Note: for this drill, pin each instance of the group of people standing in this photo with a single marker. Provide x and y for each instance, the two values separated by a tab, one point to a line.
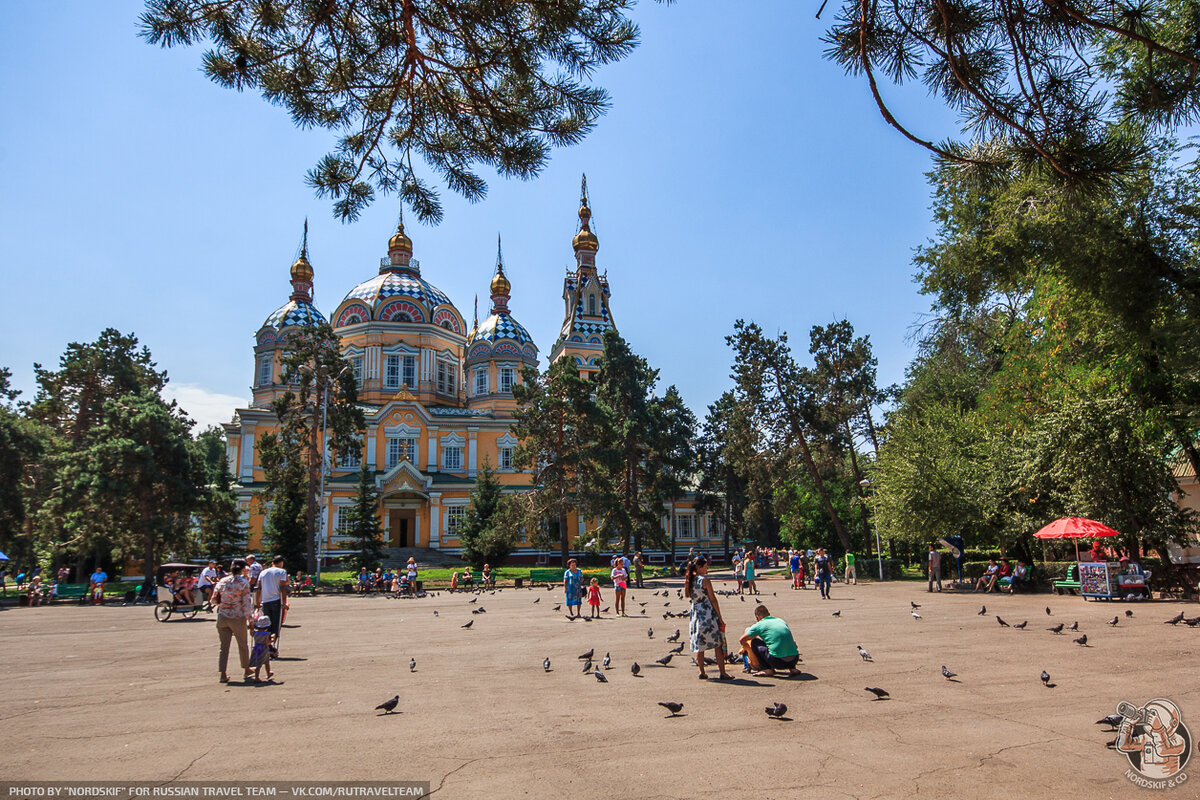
818	566
250	603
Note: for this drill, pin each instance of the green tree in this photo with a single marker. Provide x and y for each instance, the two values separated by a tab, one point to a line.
1057	89
459	84
364	522
320	413
71	404
670	460
487	535
283	500
22	448
784	398
218	514
556	423
138	476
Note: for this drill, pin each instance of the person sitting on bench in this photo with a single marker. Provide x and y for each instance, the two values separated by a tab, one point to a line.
1020	578
987	580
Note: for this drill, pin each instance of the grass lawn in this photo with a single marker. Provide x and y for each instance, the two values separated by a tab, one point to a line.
440	576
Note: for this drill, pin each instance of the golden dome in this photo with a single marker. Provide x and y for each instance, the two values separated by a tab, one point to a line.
500	284
302	270
585	239
400	240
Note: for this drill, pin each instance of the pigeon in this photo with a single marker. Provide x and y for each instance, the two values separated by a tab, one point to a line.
880	694
469	624
477	611
558	607
915	615
435	612
665	660
569	617
1057	628
587	666
1112	721
546	664
643	612
1047	611
650	632
677	649
535	602
776	710
865	655
914	605
1113	621
1003	624
666	604
674	637
389	706
600	676
588	655
635	668
605	609
1074	626
837	613
1111	745
947	674
1045	678
586	619
1175	620
474	599
674	708
743	599
1128	612
643	604
412	665
1193	622
607	660
1021	625
982	611
1081	641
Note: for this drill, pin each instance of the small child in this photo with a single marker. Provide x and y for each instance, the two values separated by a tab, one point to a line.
594	597
260	654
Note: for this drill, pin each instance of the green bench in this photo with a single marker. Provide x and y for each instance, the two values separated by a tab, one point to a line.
1071	585
71	591
554	575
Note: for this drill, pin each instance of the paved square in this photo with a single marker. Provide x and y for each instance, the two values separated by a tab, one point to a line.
108	693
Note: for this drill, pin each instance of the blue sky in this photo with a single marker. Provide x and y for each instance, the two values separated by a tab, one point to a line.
738	175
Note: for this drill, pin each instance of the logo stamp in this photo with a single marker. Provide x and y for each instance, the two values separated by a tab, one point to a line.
1156	742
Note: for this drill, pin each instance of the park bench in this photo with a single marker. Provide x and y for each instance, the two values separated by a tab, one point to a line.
545	575
1071	584
71	591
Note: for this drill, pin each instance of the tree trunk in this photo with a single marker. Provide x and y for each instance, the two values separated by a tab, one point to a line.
562	535
871	431
316	465
862	497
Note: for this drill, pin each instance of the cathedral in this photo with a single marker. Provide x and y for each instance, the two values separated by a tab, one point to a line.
437	397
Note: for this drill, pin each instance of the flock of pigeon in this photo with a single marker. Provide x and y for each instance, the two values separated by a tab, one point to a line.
776	710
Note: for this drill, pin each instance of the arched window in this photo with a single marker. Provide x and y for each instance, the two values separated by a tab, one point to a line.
592	304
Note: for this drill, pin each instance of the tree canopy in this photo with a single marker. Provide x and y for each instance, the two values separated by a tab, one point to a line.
458	84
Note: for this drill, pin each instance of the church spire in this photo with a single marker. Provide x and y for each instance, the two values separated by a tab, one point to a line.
302	271
400	249
585	242
500	284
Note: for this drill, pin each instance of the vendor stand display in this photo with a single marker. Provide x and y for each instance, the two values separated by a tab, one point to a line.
1097	579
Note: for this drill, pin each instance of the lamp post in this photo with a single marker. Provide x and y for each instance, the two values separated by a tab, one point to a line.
866	484
324	462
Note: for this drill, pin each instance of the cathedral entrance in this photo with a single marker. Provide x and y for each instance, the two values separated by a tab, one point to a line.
402	529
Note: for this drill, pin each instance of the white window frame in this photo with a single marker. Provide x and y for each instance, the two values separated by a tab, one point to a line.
504	459
506	375
392	378
456	515
447	377
341	521
455	463
265	370
480	381
686	531
406	447
356	366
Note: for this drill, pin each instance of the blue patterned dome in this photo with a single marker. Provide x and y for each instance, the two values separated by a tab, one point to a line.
501	326
390	284
294	312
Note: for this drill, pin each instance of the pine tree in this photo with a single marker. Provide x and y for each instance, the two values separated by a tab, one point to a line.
486	535
218	513
284	499
364	522
459	83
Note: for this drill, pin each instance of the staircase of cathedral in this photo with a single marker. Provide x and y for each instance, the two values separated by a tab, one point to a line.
427	558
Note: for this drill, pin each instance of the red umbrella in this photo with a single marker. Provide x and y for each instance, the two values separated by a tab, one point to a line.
1075	528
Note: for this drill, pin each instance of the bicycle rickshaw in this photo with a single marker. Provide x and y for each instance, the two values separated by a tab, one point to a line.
168	600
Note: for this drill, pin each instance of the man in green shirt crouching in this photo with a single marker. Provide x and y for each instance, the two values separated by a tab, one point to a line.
768	644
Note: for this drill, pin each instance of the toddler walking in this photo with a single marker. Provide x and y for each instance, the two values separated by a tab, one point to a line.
260	654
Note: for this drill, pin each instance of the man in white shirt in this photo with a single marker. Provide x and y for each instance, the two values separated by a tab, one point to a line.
271	595
208	579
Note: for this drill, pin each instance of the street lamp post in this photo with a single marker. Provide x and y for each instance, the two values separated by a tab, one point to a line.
324	528
866	484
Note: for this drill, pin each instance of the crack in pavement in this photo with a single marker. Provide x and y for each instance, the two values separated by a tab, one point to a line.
175	777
